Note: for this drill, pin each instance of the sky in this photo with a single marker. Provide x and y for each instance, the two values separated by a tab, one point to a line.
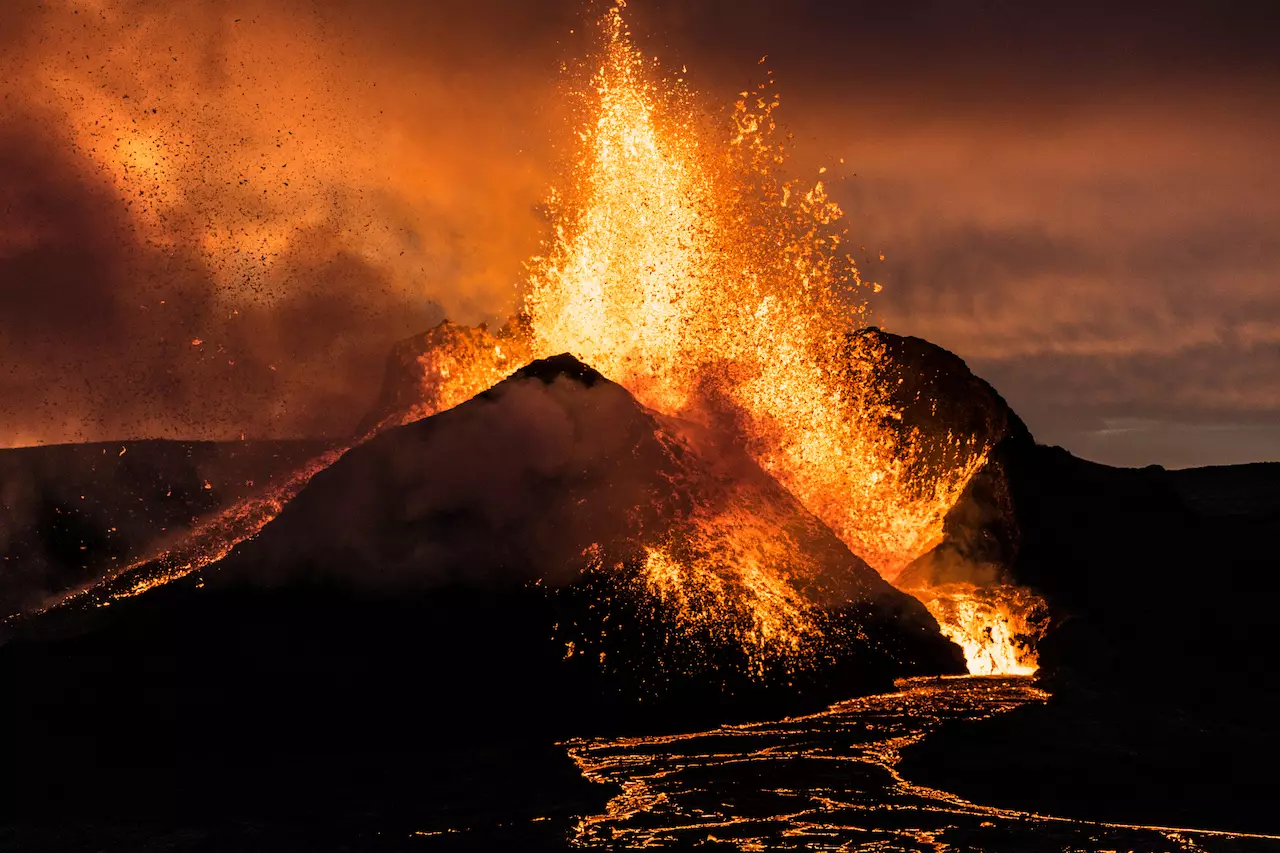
216	215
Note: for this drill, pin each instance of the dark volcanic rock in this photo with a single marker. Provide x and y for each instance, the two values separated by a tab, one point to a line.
68	513
557	477
401	648
1126	558
951	416
939	399
292	719
1160	655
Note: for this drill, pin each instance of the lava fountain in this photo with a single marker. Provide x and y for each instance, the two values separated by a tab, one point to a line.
686	267
695	275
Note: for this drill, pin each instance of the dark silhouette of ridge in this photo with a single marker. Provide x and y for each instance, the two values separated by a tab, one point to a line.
69	513
1161	585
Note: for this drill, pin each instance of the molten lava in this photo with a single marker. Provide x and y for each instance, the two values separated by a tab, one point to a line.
686	268
996	627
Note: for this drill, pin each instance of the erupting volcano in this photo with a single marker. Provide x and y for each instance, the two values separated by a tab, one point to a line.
688	483
685	265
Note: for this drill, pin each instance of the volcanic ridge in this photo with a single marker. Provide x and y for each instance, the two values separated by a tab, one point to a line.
551	559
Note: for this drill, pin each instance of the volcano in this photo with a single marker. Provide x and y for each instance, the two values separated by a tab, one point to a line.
547	559
552	559
557	478
682	553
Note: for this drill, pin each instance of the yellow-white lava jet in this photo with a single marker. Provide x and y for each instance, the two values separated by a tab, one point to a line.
684	267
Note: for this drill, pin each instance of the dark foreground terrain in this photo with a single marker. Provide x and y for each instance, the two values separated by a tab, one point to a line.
392	662
1162	656
289	720
72	513
406	643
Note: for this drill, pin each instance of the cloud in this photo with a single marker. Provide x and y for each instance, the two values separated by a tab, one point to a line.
293	187
1085	211
1118	263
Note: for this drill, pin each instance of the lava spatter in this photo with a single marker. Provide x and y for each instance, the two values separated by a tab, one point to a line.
687	268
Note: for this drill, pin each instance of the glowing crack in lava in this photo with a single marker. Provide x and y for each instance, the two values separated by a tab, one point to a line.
692	273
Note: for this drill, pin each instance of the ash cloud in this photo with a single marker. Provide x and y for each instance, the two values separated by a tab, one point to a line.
1080	204
215	219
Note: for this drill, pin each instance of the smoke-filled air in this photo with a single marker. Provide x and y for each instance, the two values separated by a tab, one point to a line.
687	265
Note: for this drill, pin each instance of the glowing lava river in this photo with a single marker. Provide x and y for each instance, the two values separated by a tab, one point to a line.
829	781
